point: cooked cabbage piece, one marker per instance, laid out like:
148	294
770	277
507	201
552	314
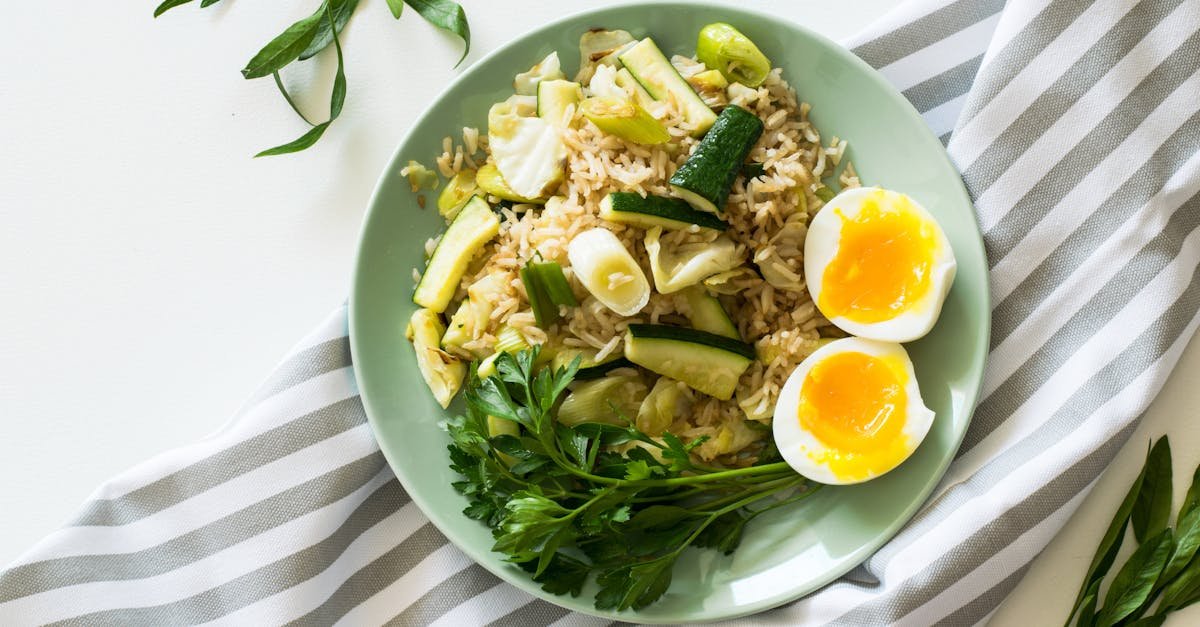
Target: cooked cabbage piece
599	48
548	69
690	264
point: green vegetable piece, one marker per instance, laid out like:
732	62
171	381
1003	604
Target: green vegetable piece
704	180
824	193
445	15
471	229
1133	583
457	192
545	312
489	179
1153	505
753	170
510	340
624	119
551	276
724	48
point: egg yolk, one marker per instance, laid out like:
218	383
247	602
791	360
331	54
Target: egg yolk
855	404
883	261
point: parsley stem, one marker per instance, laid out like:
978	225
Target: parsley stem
768	485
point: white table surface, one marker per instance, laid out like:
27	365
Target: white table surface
153	273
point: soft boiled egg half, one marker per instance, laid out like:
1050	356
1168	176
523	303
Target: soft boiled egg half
878	264
850	412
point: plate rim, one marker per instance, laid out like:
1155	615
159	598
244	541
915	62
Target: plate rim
489	560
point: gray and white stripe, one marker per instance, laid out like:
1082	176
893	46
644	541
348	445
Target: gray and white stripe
1077	130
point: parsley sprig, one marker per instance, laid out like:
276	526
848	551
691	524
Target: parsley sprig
569	503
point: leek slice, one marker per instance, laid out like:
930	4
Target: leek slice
724	48
624	119
613	400
608	271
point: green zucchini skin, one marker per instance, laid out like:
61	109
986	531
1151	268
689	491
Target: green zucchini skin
705	179
651	211
692	336
601	369
706	362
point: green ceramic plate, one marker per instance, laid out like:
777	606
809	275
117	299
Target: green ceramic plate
793	552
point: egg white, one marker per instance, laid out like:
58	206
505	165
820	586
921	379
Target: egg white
802	450
821	247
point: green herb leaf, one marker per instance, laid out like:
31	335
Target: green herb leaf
563	575
397	7
724	533
1153	506
167	5
1187	541
1179	592
288	97
298	144
530	520
1087	612
286	47
634	587
1110	543
1150	621
446	15
1135	580
208	3
1193	495
336	100
342	10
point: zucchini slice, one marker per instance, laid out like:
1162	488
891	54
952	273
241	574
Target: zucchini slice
589	368
474	226
442	373
705	178
459	189
646	62
707	314
705	362
553	98
652	211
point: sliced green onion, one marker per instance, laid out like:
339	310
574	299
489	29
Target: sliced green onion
552	278
544	309
624	119
724	48
510	340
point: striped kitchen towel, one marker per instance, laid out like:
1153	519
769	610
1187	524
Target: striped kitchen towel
1076	126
